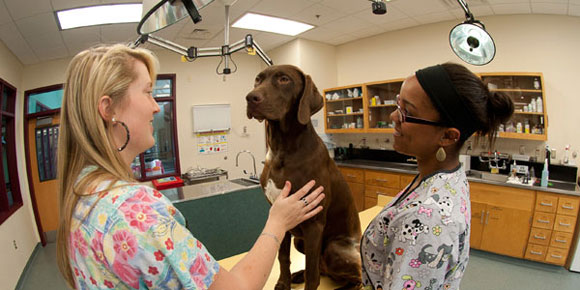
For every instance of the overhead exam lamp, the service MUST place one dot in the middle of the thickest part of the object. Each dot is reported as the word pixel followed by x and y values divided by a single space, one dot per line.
pixel 470 41
pixel 168 12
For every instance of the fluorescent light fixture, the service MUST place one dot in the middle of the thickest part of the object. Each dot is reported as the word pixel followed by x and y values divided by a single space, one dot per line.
pixel 98 15
pixel 271 24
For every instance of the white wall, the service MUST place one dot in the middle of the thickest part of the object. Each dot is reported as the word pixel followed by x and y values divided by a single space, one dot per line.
pixel 525 43
pixel 20 228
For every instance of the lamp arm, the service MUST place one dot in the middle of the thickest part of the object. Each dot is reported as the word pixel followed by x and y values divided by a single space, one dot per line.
pixel 468 14
pixel 167 44
pixel 262 54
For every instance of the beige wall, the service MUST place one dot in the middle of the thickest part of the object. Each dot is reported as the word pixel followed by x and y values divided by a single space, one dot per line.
pixel 525 43
pixel 20 228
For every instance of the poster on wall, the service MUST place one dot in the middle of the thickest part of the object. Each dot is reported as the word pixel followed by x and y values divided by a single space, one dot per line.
pixel 212 142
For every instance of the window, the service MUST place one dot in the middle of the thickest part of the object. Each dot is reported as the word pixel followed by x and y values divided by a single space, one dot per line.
pixel 10 197
pixel 162 159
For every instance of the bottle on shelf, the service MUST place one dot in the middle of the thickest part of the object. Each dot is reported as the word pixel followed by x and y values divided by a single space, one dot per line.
pixel 539 106
pixel 527 127
pixel 536 84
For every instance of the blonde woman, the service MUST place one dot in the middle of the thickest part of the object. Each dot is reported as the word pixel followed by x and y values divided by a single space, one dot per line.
pixel 116 233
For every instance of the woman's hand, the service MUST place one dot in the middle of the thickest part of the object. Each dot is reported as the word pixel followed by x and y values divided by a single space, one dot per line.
pixel 289 211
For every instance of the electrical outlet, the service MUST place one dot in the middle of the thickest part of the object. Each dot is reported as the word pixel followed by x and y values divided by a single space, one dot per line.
pixel 553 153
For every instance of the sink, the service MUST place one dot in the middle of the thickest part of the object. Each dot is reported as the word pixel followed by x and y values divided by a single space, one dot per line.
pixel 487 176
pixel 245 181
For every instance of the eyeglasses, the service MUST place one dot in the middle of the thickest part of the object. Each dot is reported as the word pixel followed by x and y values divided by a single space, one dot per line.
pixel 404 118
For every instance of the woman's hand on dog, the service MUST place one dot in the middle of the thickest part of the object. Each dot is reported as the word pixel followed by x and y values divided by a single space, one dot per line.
pixel 289 211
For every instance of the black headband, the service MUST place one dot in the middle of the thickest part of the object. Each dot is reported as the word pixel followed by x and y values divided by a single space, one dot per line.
pixel 455 113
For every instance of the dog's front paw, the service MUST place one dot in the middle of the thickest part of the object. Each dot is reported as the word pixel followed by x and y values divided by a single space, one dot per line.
pixel 281 286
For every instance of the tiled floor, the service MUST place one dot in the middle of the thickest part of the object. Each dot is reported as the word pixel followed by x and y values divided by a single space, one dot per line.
pixel 484 272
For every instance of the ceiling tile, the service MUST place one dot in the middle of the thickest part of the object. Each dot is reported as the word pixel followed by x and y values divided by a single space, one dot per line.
pixel 418 8
pixel 80 39
pixel 19 9
pixel 41 32
pixel 551 1
pixel 281 8
pixel 574 2
pixel 393 14
pixel 477 11
pixel 119 33
pixel 12 38
pixel 342 39
pixel 493 2
pixel 347 24
pixel 51 52
pixel 4 15
pixel 325 14
pixel 58 5
pixel 368 31
pixel 435 17
pixel 349 6
pixel 550 8
pixel 515 8
pixel 268 41
pixel 400 24
pixel 574 10
pixel 321 34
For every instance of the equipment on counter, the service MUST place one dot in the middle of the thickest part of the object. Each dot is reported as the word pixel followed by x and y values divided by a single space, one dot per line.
pixel 167 182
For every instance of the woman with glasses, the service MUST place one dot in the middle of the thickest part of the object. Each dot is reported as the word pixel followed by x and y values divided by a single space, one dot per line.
pixel 421 238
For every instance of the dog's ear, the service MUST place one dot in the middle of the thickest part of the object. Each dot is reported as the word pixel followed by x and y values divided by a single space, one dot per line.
pixel 311 101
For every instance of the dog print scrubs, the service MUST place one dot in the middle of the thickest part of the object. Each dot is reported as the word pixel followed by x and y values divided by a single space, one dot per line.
pixel 421 239
pixel 134 238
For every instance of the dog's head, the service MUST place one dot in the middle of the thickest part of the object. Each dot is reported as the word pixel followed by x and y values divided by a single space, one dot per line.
pixel 280 90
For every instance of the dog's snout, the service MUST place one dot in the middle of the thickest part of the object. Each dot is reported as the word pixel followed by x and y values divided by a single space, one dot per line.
pixel 254 99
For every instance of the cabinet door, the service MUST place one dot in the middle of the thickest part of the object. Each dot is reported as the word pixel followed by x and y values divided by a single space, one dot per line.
pixel 536 252
pixel 405 180
pixel 506 231
pixel 382 179
pixel 564 223
pixel 556 256
pixel 352 174
pixel 358 194
pixel 540 237
pixel 543 220
pixel 568 205
pixel 561 240
pixel 546 202
pixel 477 221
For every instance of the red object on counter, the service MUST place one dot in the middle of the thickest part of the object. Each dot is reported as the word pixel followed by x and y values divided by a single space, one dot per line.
pixel 167 182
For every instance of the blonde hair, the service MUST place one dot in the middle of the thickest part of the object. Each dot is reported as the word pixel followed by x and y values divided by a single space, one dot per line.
pixel 85 138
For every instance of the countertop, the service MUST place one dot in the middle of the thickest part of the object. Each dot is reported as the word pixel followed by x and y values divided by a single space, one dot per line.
pixel 298 259
pixel 406 168
pixel 206 189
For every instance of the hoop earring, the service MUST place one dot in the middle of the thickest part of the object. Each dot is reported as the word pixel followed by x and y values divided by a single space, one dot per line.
pixel 126 130
pixel 441 155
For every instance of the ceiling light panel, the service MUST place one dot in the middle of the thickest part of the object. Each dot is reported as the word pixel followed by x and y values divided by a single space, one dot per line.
pixel 271 24
pixel 98 15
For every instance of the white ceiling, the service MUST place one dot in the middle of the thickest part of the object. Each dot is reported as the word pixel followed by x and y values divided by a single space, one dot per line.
pixel 29 29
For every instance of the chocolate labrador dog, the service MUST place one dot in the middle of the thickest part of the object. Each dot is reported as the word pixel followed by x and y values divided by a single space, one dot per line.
pixel 286 98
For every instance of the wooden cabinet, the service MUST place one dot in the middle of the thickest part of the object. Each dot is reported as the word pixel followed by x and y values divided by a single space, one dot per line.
pixel 344 109
pixel 524 89
pixel 355 181
pixel 500 218
pixel 366 108
pixel 553 228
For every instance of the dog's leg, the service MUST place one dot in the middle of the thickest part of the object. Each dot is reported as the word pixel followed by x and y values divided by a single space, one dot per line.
pixel 284 259
pixel 341 258
pixel 312 250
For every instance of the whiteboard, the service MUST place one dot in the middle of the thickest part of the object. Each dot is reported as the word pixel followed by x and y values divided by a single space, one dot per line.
pixel 211 117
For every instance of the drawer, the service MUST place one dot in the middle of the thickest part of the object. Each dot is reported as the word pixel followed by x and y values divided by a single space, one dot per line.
pixel 546 202
pixel 536 252
pixel 540 237
pixel 543 220
pixel 556 256
pixel 565 223
pixel 406 180
pixel 561 240
pixel 568 205
pixel 370 202
pixel 352 175
pixel 382 179
pixel 374 191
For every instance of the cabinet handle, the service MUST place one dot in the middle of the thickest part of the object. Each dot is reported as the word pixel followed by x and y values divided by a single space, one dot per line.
pixel 543 221
pixel 482 214
pixel 561 241
pixel 350 175
pixel 556 256
pixel 564 225
pixel 535 253
pixel 567 207
pixel 539 237
pixel 382 193
pixel 546 203
pixel 381 180
pixel 487 218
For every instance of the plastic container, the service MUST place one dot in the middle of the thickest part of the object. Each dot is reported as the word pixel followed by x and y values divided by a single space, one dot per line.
pixel 539 106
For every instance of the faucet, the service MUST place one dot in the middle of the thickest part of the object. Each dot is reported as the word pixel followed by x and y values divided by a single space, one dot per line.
pixel 255 176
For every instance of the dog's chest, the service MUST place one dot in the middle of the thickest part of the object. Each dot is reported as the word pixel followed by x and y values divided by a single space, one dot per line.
pixel 271 191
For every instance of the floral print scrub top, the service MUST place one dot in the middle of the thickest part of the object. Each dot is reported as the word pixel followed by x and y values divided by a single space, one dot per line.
pixel 421 239
pixel 134 238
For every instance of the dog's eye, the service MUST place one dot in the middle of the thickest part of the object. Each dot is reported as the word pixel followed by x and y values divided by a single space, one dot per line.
pixel 284 79
pixel 257 80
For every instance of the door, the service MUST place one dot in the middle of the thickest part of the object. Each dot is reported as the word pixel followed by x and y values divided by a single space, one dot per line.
pixel 506 231
pixel 477 221
pixel 42 140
